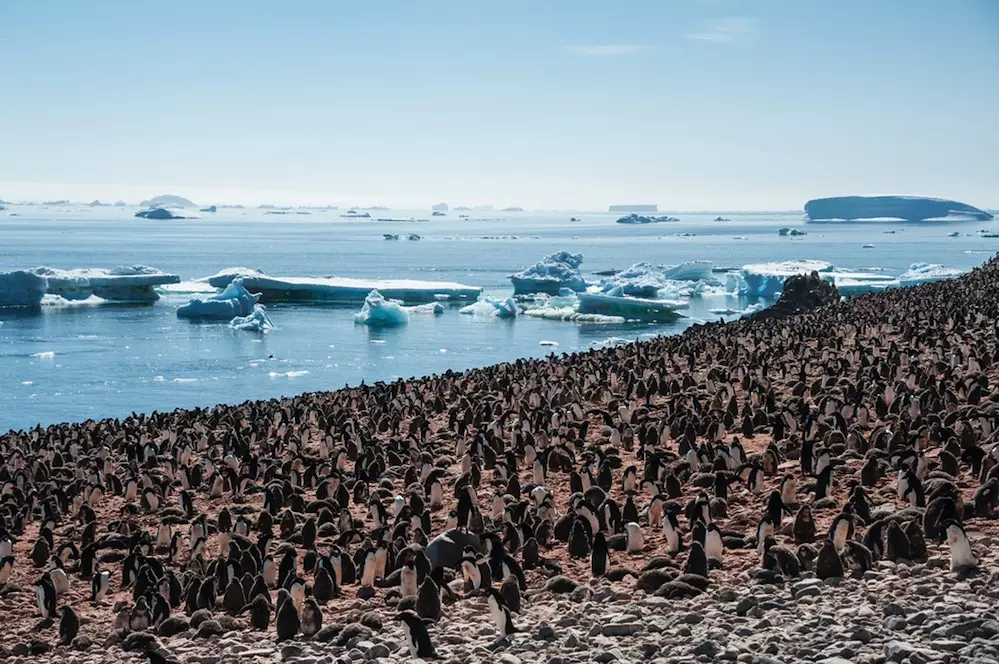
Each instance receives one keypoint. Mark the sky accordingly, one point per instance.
(553, 104)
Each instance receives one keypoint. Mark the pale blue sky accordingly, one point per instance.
(720, 104)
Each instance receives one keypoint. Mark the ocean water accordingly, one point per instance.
(91, 361)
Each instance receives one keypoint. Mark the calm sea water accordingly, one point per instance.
(77, 362)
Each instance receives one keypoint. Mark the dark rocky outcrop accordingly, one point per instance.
(802, 293)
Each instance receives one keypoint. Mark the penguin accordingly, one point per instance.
(635, 538)
(671, 529)
(260, 612)
(842, 528)
(408, 586)
(828, 564)
(417, 637)
(471, 572)
(697, 561)
(776, 509)
(287, 620)
(510, 590)
(500, 613)
(234, 599)
(804, 525)
(69, 625)
(369, 570)
(428, 600)
(655, 511)
(598, 556)
(312, 617)
(6, 568)
(45, 597)
(579, 540)
(139, 619)
(897, 543)
(910, 488)
(788, 489)
(714, 546)
(324, 586)
(159, 609)
(961, 556)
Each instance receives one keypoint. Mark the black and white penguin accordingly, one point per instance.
(6, 568)
(428, 600)
(635, 538)
(234, 599)
(69, 625)
(159, 609)
(804, 525)
(961, 556)
(45, 597)
(408, 584)
(472, 572)
(417, 637)
(697, 561)
(828, 563)
(510, 590)
(139, 618)
(714, 546)
(287, 620)
(598, 556)
(312, 617)
(500, 613)
(579, 540)
(671, 529)
(842, 528)
(910, 488)
(324, 586)
(897, 546)
(260, 612)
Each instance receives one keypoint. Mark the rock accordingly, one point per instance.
(708, 647)
(745, 604)
(622, 629)
(200, 616)
(802, 293)
(82, 642)
(893, 609)
(172, 626)
(507, 658)
(327, 633)
(580, 595)
(546, 633)
(606, 656)
(378, 650)
(372, 620)
(862, 634)
(353, 631)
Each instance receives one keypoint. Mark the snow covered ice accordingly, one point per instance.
(233, 302)
(551, 274)
(21, 288)
(342, 290)
(25, 288)
(491, 307)
(257, 321)
(646, 280)
(380, 312)
(923, 273)
(630, 308)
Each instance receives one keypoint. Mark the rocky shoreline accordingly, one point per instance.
(889, 391)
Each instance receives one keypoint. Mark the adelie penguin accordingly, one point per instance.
(312, 617)
(45, 597)
(417, 637)
(428, 600)
(598, 556)
(69, 625)
(697, 561)
(635, 538)
(500, 613)
(287, 620)
(510, 590)
(962, 559)
(828, 564)
(260, 612)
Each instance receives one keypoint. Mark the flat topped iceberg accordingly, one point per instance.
(380, 312)
(128, 283)
(490, 307)
(21, 288)
(906, 208)
(551, 274)
(630, 308)
(342, 290)
(924, 273)
(233, 302)
(257, 321)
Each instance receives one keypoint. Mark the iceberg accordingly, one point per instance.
(379, 312)
(551, 274)
(906, 208)
(491, 307)
(165, 213)
(647, 280)
(134, 283)
(767, 279)
(21, 288)
(634, 218)
(431, 309)
(342, 290)
(257, 321)
(233, 302)
(924, 273)
(571, 315)
(630, 308)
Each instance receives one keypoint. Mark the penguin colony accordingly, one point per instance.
(750, 452)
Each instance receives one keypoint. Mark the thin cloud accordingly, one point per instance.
(728, 30)
(609, 49)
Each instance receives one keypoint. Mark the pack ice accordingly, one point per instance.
(135, 283)
(342, 290)
(257, 321)
(551, 274)
(234, 301)
(491, 307)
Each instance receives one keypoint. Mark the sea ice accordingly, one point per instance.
(430, 309)
(231, 303)
(257, 321)
(767, 279)
(129, 283)
(492, 307)
(21, 288)
(551, 274)
(924, 273)
(342, 290)
(379, 312)
(650, 281)
(630, 308)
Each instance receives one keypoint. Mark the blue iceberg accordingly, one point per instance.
(233, 302)
(491, 307)
(379, 312)
(906, 208)
(551, 274)
(630, 308)
(257, 321)
(21, 288)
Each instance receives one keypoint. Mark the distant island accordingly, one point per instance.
(167, 201)
(512, 209)
(643, 209)
(440, 207)
(640, 219)
(906, 208)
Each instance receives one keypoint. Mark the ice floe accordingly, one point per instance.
(923, 273)
(551, 274)
(630, 308)
(491, 307)
(234, 301)
(651, 281)
(342, 290)
(257, 321)
(21, 288)
(381, 312)
(137, 283)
